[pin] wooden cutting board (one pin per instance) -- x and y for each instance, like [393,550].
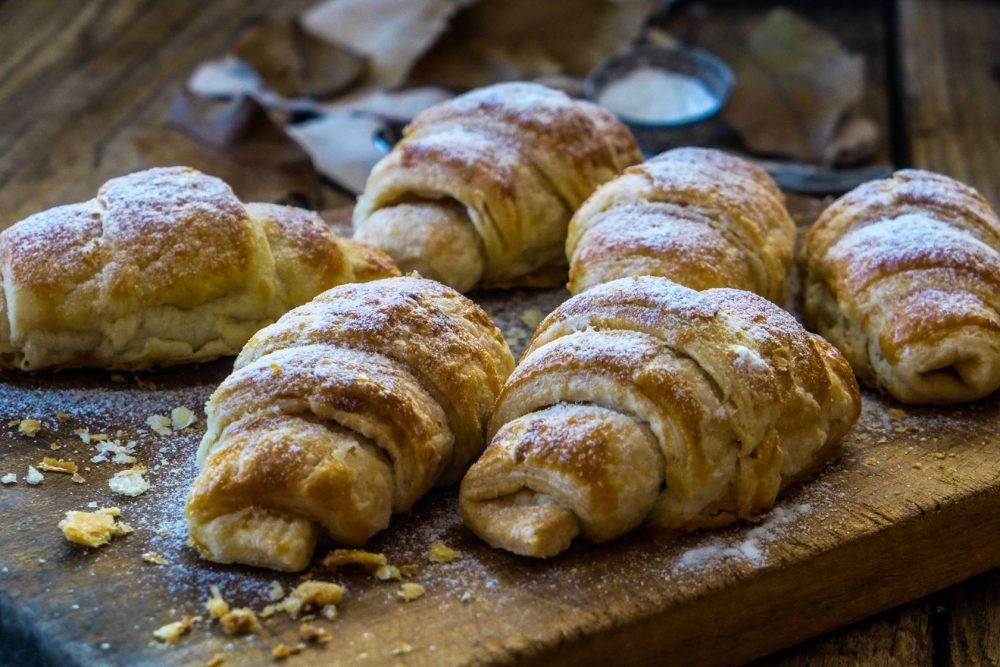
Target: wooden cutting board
[911,507]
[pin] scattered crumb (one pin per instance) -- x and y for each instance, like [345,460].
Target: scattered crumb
[532,317]
[918,465]
[84,435]
[33,477]
[93,529]
[329,612]
[410,591]
[387,572]
[9,478]
[120,454]
[314,634]
[216,660]
[896,413]
[241,621]
[408,570]
[216,606]
[870,461]
[339,558]
[50,464]
[159,424]
[130,482]
[282,651]
[62,417]
[77,478]
[55,446]
[29,427]
[276,592]
[401,648]
[939,455]
[181,417]
[440,553]
[172,632]
[466,597]
[154,558]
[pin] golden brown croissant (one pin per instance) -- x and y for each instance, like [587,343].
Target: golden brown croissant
[346,410]
[701,217]
[164,266]
[903,275]
[482,187]
[641,400]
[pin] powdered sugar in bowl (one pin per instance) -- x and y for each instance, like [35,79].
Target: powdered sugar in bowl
[654,88]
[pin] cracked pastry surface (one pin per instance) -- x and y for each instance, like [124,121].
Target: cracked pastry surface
[643,401]
[701,217]
[163,266]
[903,276]
[343,412]
[482,187]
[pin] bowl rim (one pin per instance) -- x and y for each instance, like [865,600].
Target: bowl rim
[591,89]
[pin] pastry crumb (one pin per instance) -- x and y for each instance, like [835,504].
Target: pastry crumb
[410,591]
[314,634]
[216,660]
[240,621]
[441,553]
[160,424]
[29,427]
[401,648]
[276,591]
[50,464]
[77,478]
[9,478]
[63,417]
[466,597]
[532,317]
[408,570]
[339,558]
[870,461]
[172,632]
[387,572]
[217,607]
[130,482]
[33,477]
[181,417]
[93,529]
[896,413]
[918,465]
[154,558]
[329,612]
[282,651]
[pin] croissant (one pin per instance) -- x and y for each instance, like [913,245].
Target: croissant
[164,266]
[482,187]
[903,275]
[347,409]
[701,217]
[641,400]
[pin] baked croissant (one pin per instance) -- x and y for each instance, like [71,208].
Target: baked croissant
[903,275]
[482,187]
[345,410]
[642,400]
[164,266]
[701,217]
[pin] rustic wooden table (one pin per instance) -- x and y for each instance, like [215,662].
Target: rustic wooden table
[79,79]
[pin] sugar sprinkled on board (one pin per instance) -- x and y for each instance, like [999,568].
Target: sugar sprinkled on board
[750,547]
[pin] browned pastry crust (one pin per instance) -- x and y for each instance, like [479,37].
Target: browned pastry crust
[164,266]
[482,187]
[903,275]
[347,409]
[701,217]
[641,400]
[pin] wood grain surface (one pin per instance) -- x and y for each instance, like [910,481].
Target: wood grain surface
[79,80]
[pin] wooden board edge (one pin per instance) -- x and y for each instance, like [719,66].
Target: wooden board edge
[897,564]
